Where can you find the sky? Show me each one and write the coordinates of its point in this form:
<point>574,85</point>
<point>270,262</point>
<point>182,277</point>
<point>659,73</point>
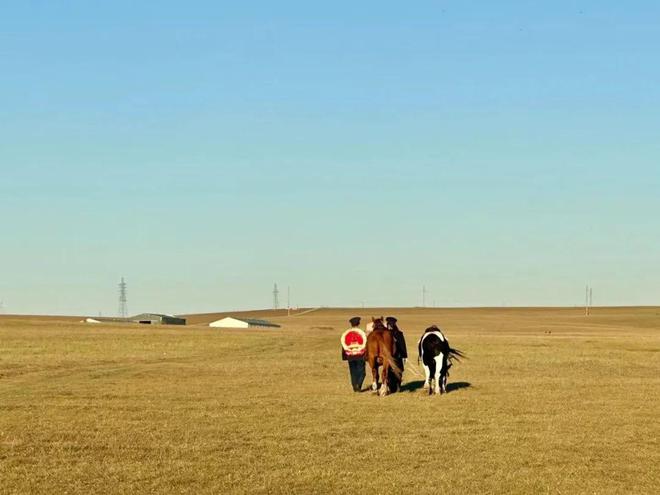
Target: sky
<point>498,153</point>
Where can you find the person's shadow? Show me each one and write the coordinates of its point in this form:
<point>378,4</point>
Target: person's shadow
<point>417,384</point>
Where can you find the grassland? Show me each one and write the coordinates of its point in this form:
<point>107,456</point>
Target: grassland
<point>548,402</point>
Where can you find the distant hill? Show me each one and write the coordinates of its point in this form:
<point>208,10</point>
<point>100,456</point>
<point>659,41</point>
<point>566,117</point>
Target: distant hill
<point>340,316</point>
<point>42,317</point>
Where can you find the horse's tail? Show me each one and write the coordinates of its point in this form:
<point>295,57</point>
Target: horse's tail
<point>395,367</point>
<point>456,354</point>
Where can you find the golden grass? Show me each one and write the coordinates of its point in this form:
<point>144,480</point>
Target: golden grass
<point>548,402</point>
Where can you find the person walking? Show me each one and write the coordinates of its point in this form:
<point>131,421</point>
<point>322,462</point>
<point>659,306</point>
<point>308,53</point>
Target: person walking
<point>400,353</point>
<point>353,349</point>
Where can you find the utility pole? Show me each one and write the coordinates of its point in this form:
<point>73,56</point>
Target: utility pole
<point>123,302</point>
<point>424,292</point>
<point>288,300</point>
<point>276,297</point>
<point>588,300</point>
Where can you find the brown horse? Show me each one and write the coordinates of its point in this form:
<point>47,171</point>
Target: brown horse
<point>380,349</point>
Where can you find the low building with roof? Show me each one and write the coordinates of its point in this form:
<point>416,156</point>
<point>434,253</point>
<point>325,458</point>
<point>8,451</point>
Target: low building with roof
<point>157,319</point>
<point>230,322</point>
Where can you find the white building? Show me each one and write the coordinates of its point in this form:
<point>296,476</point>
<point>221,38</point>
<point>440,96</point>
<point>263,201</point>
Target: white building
<point>230,322</point>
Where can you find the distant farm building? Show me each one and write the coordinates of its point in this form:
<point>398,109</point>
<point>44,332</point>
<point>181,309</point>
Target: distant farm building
<point>230,322</point>
<point>157,319</point>
<point>107,319</point>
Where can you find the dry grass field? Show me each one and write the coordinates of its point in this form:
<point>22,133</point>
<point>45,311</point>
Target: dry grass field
<point>549,401</point>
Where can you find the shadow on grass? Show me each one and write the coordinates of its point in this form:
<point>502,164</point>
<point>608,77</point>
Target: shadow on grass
<point>418,384</point>
<point>457,386</point>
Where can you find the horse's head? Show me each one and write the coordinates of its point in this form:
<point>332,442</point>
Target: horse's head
<point>378,323</point>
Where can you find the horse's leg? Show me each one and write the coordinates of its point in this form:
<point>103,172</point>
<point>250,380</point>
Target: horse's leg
<point>431,370</point>
<point>427,376</point>
<point>443,384</point>
<point>383,378</point>
<point>374,375</point>
<point>438,369</point>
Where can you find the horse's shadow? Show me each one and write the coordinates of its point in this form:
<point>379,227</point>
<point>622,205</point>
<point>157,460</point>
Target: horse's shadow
<point>417,384</point>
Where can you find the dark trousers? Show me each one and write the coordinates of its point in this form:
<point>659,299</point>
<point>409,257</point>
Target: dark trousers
<point>394,381</point>
<point>356,367</point>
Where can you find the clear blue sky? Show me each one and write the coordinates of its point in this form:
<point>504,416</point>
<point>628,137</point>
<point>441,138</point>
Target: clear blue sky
<point>497,152</point>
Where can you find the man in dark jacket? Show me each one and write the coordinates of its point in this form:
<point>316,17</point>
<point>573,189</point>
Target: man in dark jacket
<point>354,347</point>
<point>400,353</point>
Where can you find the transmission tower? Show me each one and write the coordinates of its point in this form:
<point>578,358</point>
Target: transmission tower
<point>424,293</point>
<point>276,297</point>
<point>123,307</point>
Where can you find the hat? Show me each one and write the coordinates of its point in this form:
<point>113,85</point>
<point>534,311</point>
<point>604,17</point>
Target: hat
<point>355,321</point>
<point>390,319</point>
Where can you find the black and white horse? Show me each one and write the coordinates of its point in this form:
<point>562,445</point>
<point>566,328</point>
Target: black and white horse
<point>436,356</point>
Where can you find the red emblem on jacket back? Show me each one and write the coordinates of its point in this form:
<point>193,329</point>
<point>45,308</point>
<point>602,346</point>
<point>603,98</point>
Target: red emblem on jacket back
<point>354,341</point>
